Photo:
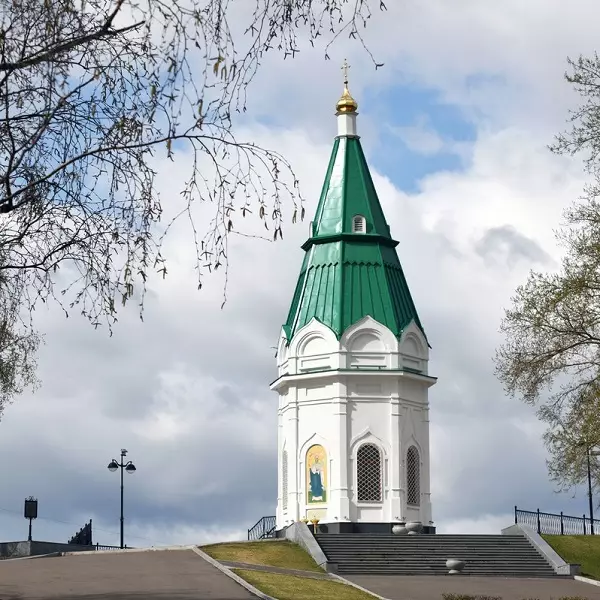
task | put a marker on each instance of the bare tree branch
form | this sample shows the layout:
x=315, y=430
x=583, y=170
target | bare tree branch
x=92, y=92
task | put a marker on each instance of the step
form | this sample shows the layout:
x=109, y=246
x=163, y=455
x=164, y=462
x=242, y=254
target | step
x=485, y=555
x=413, y=538
x=442, y=573
x=437, y=551
x=442, y=567
x=533, y=558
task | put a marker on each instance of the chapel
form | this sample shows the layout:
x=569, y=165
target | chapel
x=352, y=359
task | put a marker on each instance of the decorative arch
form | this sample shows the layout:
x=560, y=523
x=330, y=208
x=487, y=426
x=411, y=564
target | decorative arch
x=364, y=437
x=369, y=473
x=412, y=347
x=313, y=331
x=359, y=224
x=369, y=326
x=413, y=342
x=313, y=344
x=366, y=341
x=413, y=476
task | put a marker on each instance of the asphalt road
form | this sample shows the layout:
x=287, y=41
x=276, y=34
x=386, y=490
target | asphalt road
x=158, y=575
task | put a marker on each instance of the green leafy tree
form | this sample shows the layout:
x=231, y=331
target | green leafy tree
x=551, y=353
x=571, y=434
x=552, y=329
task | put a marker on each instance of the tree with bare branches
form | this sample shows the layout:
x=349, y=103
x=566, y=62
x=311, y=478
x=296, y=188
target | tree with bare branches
x=92, y=91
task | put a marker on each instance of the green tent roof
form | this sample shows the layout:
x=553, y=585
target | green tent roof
x=346, y=275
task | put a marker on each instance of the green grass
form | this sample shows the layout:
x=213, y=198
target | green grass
x=275, y=554
x=291, y=587
x=578, y=549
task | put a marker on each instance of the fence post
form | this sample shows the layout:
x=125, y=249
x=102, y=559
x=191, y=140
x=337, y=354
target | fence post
x=515, y=514
x=584, y=533
x=562, y=527
x=539, y=526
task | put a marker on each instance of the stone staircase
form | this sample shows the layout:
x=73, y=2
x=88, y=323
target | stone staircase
x=485, y=555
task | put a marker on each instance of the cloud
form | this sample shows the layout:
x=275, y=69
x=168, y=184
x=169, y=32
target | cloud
x=421, y=138
x=507, y=244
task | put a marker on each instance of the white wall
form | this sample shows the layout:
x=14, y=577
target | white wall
x=330, y=395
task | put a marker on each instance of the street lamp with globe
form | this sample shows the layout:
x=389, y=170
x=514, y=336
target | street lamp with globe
x=113, y=465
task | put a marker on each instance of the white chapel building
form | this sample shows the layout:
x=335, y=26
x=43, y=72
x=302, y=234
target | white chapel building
x=353, y=417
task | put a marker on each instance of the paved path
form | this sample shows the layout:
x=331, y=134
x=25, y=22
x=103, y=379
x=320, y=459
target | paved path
x=160, y=575
x=432, y=588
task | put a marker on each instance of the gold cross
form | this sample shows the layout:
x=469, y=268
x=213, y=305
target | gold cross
x=345, y=68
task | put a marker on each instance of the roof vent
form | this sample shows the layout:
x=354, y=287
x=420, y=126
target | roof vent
x=359, y=224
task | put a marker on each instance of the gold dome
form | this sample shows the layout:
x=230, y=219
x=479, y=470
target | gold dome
x=346, y=104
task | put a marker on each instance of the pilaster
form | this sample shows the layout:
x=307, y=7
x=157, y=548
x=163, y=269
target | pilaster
x=395, y=459
x=293, y=468
x=341, y=509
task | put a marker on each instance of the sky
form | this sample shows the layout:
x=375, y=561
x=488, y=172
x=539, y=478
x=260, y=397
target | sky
x=455, y=127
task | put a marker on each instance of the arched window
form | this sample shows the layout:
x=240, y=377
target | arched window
x=368, y=473
x=413, y=477
x=284, y=480
x=359, y=225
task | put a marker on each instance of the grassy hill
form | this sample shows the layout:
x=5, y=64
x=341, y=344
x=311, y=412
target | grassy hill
x=275, y=554
x=578, y=549
x=306, y=581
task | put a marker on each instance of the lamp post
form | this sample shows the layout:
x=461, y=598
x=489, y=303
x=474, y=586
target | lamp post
x=591, y=453
x=113, y=465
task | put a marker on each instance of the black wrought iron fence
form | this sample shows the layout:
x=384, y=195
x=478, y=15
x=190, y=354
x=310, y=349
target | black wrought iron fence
x=557, y=524
x=84, y=536
x=264, y=528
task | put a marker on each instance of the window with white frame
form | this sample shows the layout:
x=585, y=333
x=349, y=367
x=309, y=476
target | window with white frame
x=413, y=477
x=368, y=473
x=284, y=480
x=359, y=224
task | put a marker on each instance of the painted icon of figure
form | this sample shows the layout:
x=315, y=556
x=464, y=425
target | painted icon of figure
x=316, y=480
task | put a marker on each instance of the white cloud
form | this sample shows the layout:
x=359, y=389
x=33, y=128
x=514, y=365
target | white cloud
x=420, y=137
x=491, y=524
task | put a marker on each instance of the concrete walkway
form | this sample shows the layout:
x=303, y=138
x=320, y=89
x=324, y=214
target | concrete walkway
x=161, y=575
x=432, y=588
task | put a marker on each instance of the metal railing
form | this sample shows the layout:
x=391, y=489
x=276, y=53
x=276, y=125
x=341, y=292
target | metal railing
x=557, y=524
x=263, y=528
x=103, y=547
x=84, y=536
